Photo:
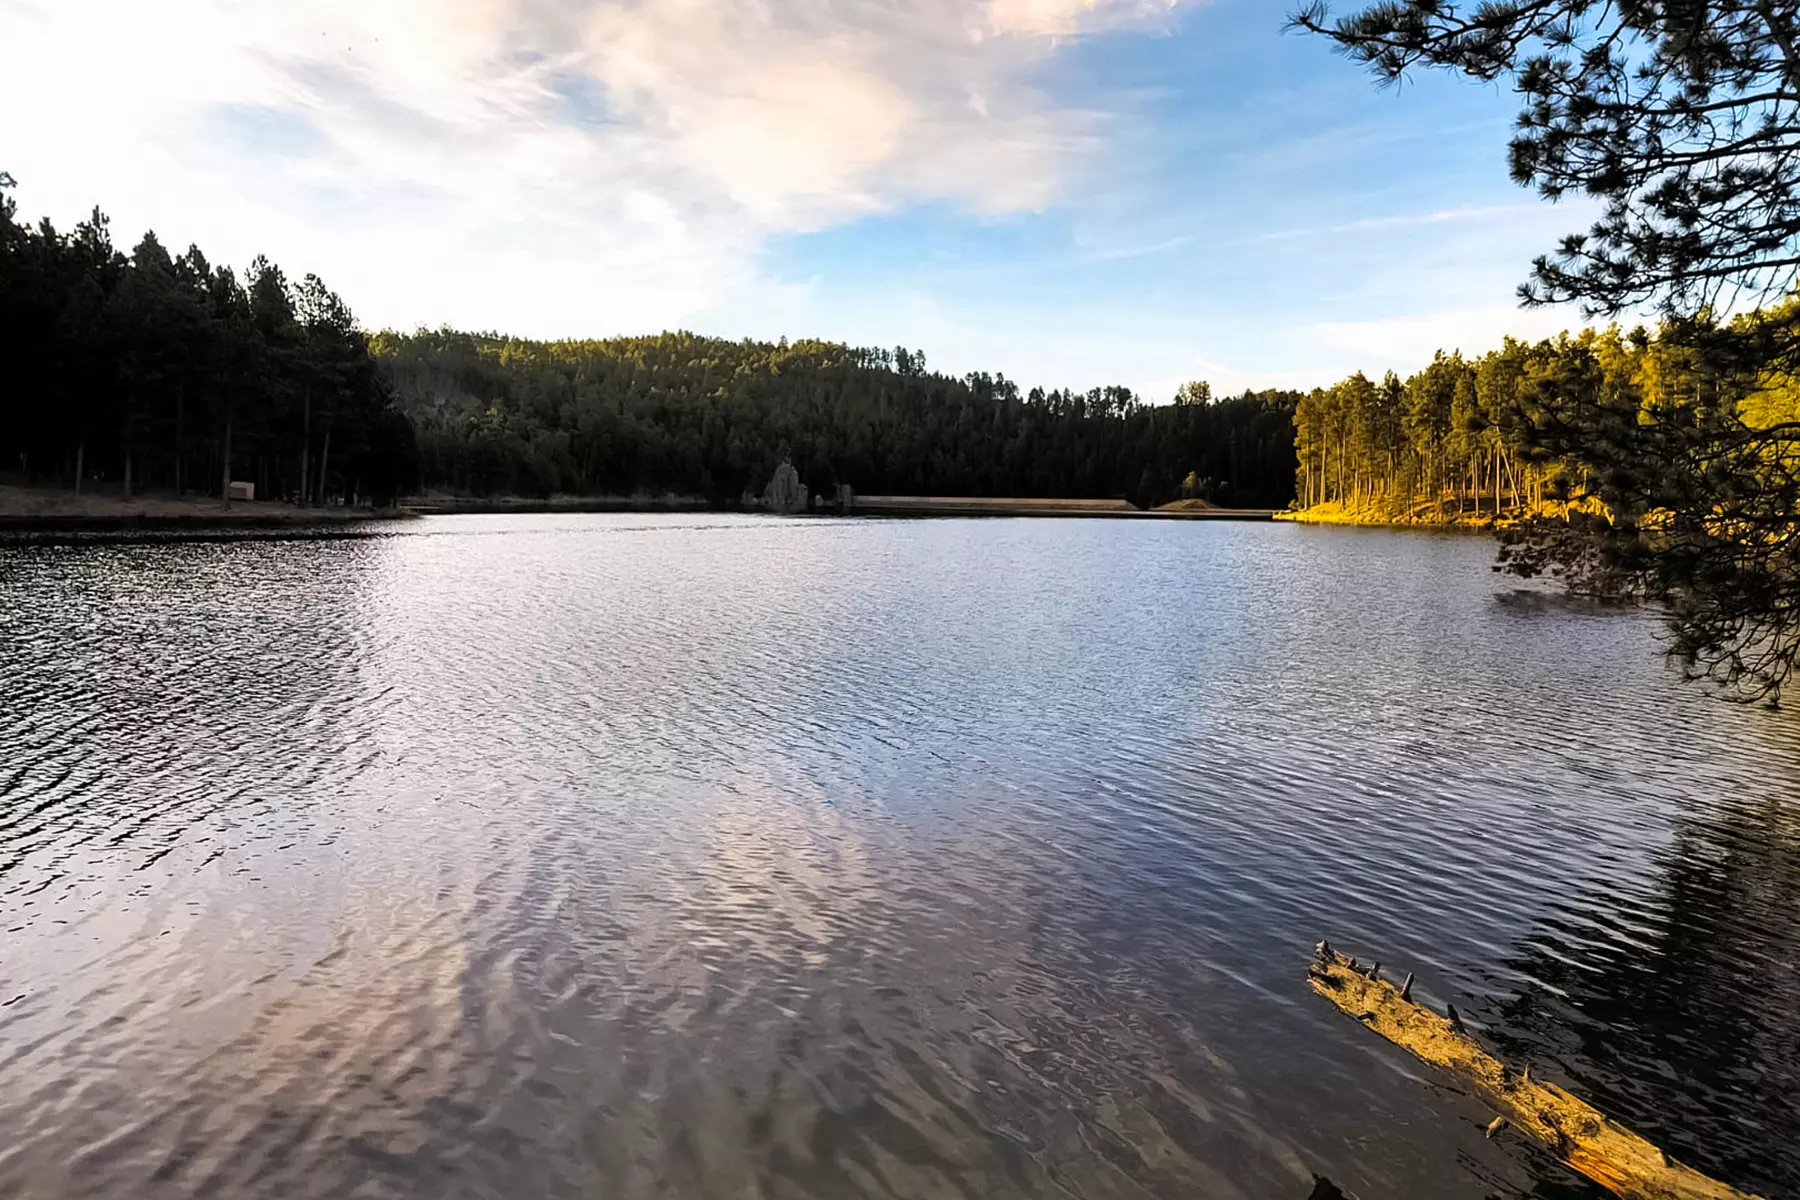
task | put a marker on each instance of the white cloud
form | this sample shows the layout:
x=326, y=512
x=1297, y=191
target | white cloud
x=811, y=111
x=600, y=163
x=1065, y=18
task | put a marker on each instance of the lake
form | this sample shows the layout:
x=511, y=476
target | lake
x=718, y=856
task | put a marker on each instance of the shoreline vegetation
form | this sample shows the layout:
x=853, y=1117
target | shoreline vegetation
x=1444, y=514
x=1368, y=516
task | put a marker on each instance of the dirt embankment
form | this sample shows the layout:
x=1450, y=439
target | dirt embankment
x=34, y=509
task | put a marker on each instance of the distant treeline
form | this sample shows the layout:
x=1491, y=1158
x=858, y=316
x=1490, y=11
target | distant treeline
x=1480, y=435
x=152, y=370
x=703, y=416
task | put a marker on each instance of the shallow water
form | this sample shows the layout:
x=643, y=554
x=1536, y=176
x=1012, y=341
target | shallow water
x=640, y=856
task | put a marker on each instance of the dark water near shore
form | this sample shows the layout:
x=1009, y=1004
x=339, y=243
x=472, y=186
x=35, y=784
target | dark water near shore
x=642, y=856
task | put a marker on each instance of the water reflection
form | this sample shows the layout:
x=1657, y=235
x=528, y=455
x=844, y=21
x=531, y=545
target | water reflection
x=1676, y=1006
x=713, y=857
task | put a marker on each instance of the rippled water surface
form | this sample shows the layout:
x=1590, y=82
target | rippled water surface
x=621, y=856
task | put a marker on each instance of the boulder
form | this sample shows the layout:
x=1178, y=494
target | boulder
x=785, y=493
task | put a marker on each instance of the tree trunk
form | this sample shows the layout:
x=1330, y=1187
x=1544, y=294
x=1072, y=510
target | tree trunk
x=305, y=438
x=1578, y=1134
x=225, y=461
x=324, y=462
x=80, y=463
x=130, y=435
x=180, y=433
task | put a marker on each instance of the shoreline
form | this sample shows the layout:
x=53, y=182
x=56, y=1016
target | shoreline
x=1334, y=513
x=976, y=506
x=29, y=510
x=432, y=505
x=1461, y=528
x=51, y=511
x=860, y=506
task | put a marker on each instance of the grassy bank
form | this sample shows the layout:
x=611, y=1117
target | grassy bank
x=1432, y=516
x=55, y=510
x=1427, y=515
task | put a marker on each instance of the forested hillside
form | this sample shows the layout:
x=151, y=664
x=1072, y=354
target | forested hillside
x=153, y=370
x=703, y=416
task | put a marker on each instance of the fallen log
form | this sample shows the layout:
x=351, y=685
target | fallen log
x=1576, y=1132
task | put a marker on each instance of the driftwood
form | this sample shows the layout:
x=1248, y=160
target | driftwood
x=1576, y=1132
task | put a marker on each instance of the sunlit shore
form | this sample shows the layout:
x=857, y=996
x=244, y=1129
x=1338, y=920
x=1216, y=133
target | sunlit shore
x=1425, y=514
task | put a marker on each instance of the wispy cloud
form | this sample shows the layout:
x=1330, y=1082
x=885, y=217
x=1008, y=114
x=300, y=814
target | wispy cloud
x=622, y=159
x=1473, y=212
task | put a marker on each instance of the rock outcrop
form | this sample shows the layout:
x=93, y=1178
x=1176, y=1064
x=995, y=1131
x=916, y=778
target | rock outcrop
x=785, y=493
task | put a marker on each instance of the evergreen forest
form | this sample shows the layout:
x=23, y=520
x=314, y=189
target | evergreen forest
x=152, y=370
x=707, y=417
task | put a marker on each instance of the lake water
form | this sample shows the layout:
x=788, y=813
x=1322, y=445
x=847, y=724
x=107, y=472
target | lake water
x=626, y=856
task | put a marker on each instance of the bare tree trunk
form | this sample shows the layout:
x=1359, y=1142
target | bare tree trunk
x=305, y=438
x=324, y=460
x=180, y=433
x=225, y=462
x=80, y=463
x=130, y=435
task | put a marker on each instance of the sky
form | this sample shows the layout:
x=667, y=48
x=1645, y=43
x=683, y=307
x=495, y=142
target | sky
x=1072, y=192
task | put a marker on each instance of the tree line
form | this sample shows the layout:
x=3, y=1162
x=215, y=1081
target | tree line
x=149, y=369
x=677, y=412
x=1518, y=426
x=1432, y=446
x=1683, y=122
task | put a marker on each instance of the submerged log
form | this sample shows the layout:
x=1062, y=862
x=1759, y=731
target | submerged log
x=1576, y=1132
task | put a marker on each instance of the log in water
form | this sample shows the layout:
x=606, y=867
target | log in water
x=1574, y=1130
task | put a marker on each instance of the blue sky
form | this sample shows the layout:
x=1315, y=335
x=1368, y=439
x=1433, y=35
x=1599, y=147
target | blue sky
x=1074, y=192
